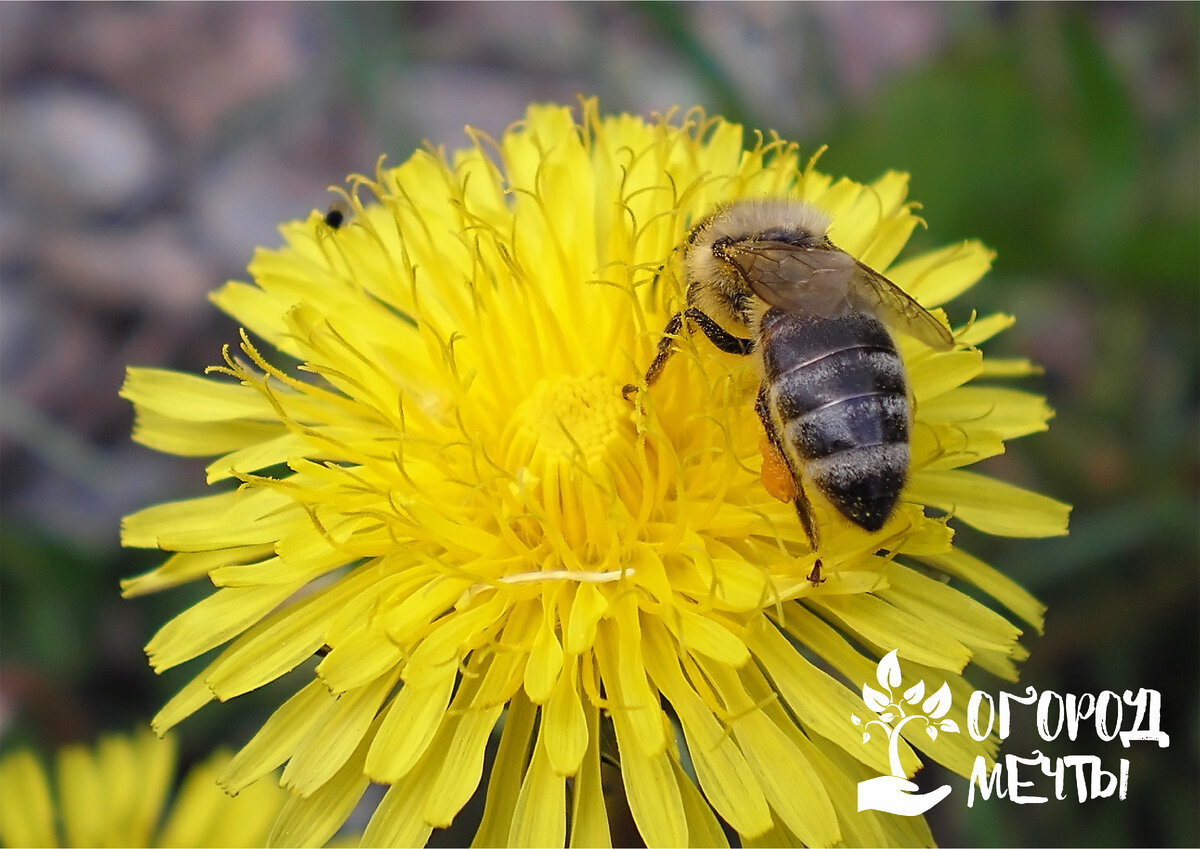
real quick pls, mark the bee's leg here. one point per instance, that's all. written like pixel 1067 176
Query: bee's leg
pixel 718 335
pixel 721 338
pixel 803 506
pixel 666 347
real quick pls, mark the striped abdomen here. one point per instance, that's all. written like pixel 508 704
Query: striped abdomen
pixel 840 407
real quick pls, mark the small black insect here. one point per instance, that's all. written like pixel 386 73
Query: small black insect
pixel 336 215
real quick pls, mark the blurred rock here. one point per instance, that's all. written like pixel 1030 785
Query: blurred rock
pixel 69 152
pixel 442 100
pixel 528 36
pixel 152 269
pixel 18 28
pixel 193 63
pixel 242 199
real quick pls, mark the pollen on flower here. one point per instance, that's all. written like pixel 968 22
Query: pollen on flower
pixel 572 440
pixel 572 418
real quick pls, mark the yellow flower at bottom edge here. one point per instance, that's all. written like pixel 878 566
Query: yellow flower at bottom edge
pixel 116 793
pixel 449 498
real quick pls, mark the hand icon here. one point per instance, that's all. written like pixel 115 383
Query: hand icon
pixel 894 795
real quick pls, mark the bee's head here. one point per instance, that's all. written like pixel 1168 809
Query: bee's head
pixel 714 282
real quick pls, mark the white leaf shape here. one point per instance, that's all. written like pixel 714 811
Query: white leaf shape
pixel 938 705
pixel 914 693
pixel 854 718
pixel 888 671
pixel 931 730
pixel 949 726
pixel 875 700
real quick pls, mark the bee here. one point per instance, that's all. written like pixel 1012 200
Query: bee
pixel 833 398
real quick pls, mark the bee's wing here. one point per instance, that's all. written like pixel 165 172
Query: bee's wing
pixel 871 291
pixel 825 281
pixel 795 279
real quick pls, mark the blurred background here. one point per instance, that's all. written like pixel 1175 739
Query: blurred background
pixel 146 149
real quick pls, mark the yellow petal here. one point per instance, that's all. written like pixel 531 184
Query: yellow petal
pixel 540 818
pixel 728 782
pixel 81 798
pixel 790 784
pixel 200 439
pixel 278 738
pixel 409 727
pixel 182 568
pixel 545 661
pixel 703 828
pixel 624 675
pixel 26 812
pixel 889 240
pixel 507 771
pixel 564 725
pixel 194 695
pixel 936 374
pixel 1007 413
pixel 651 788
pixel 982 329
pixel 357 659
pixel 280 448
pixel 1013 367
pixel 888 627
pixel 258 312
pixel 451 639
pixel 587 607
pixel 331 742
pixel 212 621
pixel 996 584
pixel 462 764
pixel 709 635
pixel 820 702
pixel 589 817
pixel 195 399
pixel 397 820
pixel 990 505
pixel 202 815
pixel 313 820
pixel 143 528
pixel 936 277
pixel 832 647
pixel 950 611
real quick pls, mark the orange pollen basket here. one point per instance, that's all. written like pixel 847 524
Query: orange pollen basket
pixel 776 476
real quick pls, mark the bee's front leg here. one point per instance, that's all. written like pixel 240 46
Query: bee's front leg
pixel 719 336
pixel 666 347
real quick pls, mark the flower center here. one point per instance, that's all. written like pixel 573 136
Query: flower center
pixel 570 446
pixel 573 417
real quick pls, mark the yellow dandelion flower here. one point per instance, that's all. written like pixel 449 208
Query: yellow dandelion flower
pixel 445 494
pixel 116 794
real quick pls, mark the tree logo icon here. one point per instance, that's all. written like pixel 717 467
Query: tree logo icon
pixel 895 794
